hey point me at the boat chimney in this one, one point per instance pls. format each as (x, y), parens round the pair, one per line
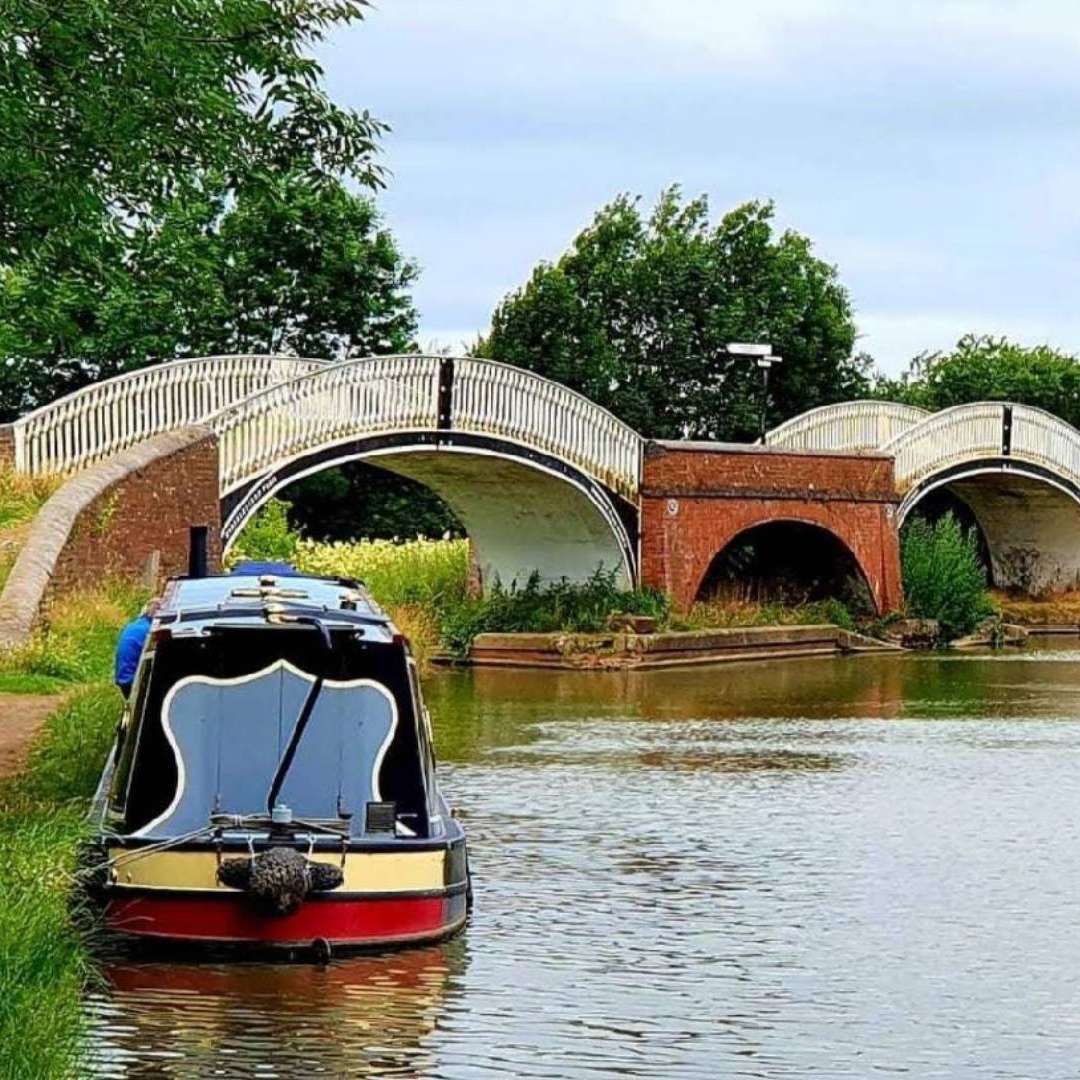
(198, 537)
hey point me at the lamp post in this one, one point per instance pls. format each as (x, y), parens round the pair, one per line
(763, 356)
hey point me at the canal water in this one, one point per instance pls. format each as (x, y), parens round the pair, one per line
(828, 867)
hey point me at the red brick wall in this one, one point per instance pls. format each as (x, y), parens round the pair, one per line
(695, 502)
(7, 445)
(149, 509)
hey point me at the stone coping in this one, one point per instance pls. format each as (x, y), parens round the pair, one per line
(669, 649)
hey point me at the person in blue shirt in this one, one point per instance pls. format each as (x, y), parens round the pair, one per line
(129, 647)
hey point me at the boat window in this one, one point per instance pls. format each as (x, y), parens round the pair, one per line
(129, 734)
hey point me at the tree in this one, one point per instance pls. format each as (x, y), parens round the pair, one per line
(991, 369)
(172, 181)
(358, 499)
(286, 266)
(111, 108)
(637, 313)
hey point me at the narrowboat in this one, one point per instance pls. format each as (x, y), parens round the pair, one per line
(272, 781)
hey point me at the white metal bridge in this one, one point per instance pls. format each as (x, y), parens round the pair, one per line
(931, 449)
(278, 418)
(271, 410)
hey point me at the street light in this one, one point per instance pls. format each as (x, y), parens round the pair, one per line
(763, 355)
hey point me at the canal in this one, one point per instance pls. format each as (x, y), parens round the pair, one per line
(828, 868)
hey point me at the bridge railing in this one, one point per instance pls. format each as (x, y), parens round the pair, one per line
(395, 394)
(1046, 440)
(349, 400)
(106, 417)
(515, 404)
(950, 437)
(849, 425)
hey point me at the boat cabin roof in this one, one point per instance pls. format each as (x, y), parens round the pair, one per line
(193, 606)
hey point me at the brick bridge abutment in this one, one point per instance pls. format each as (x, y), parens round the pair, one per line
(698, 497)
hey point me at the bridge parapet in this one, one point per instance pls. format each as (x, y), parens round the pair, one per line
(106, 417)
(979, 434)
(413, 393)
(848, 425)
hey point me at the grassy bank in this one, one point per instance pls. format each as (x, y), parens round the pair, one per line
(20, 499)
(42, 818)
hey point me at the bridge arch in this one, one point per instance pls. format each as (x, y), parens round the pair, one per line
(541, 477)
(787, 558)
(1017, 469)
(849, 536)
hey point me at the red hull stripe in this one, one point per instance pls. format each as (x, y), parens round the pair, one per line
(231, 918)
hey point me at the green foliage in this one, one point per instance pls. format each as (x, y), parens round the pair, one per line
(412, 572)
(42, 819)
(286, 266)
(358, 499)
(78, 640)
(637, 314)
(175, 182)
(991, 369)
(110, 109)
(944, 578)
(542, 608)
(267, 536)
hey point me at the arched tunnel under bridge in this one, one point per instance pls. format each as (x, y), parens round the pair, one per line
(524, 512)
(1028, 520)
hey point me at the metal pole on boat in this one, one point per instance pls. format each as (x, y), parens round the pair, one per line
(198, 548)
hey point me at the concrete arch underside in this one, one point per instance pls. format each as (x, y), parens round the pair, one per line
(524, 512)
(1029, 518)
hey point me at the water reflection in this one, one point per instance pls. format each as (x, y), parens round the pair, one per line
(360, 1016)
(828, 868)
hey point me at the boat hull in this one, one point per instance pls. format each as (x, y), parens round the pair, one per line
(339, 920)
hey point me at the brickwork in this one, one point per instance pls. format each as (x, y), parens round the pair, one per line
(150, 509)
(110, 520)
(7, 446)
(696, 499)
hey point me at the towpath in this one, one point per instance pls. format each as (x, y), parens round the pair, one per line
(21, 717)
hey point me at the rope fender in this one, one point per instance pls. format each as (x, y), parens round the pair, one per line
(279, 880)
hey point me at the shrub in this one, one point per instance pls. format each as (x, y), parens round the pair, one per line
(576, 607)
(267, 536)
(944, 578)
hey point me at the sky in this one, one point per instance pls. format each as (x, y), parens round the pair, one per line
(929, 149)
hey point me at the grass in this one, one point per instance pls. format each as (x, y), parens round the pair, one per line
(20, 499)
(45, 965)
(1060, 609)
(77, 638)
(718, 614)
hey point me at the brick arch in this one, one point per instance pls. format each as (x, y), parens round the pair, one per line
(697, 498)
(700, 566)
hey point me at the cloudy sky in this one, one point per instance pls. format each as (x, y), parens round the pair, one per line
(929, 149)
